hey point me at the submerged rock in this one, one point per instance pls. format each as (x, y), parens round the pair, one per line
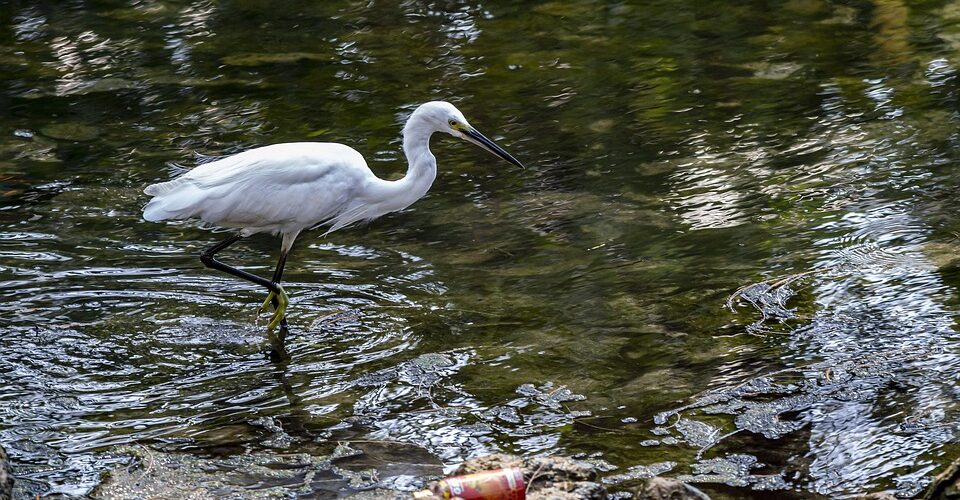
(69, 131)
(662, 488)
(6, 476)
(946, 486)
(260, 59)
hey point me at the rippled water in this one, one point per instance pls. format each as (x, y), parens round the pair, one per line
(733, 256)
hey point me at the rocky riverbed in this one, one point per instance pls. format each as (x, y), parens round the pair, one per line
(376, 471)
(6, 476)
(369, 471)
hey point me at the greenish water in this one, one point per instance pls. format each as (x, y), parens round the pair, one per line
(795, 158)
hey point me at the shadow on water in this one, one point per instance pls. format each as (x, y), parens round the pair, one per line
(733, 257)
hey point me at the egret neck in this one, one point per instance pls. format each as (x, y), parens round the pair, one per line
(381, 196)
(421, 165)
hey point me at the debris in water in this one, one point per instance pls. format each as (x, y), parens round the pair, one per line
(499, 484)
(546, 477)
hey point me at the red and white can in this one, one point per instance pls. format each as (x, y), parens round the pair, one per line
(500, 484)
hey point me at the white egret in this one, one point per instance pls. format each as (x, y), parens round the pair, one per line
(286, 188)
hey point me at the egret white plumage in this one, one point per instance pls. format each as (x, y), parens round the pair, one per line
(286, 188)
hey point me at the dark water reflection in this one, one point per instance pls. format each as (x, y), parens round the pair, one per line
(801, 152)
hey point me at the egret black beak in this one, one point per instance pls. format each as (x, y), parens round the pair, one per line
(471, 134)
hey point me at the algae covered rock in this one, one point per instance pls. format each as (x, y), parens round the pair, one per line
(662, 488)
(946, 486)
(6, 476)
(71, 131)
(262, 59)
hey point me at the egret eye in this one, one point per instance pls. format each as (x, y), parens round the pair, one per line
(454, 124)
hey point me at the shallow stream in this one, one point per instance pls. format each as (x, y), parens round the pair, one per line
(734, 255)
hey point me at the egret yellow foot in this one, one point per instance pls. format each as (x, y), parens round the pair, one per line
(278, 315)
(266, 304)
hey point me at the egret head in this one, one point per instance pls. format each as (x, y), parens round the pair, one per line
(445, 117)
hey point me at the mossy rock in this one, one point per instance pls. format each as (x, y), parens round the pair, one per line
(71, 131)
(256, 59)
(6, 476)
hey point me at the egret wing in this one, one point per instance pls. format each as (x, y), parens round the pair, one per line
(265, 188)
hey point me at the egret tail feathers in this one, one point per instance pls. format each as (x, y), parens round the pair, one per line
(162, 208)
(154, 211)
(172, 200)
(162, 188)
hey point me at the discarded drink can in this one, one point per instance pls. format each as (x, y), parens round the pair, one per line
(500, 484)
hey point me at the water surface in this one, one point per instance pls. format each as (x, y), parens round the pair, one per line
(732, 256)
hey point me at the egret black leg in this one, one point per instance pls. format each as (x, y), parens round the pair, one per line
(278, 272)
(208, 257)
